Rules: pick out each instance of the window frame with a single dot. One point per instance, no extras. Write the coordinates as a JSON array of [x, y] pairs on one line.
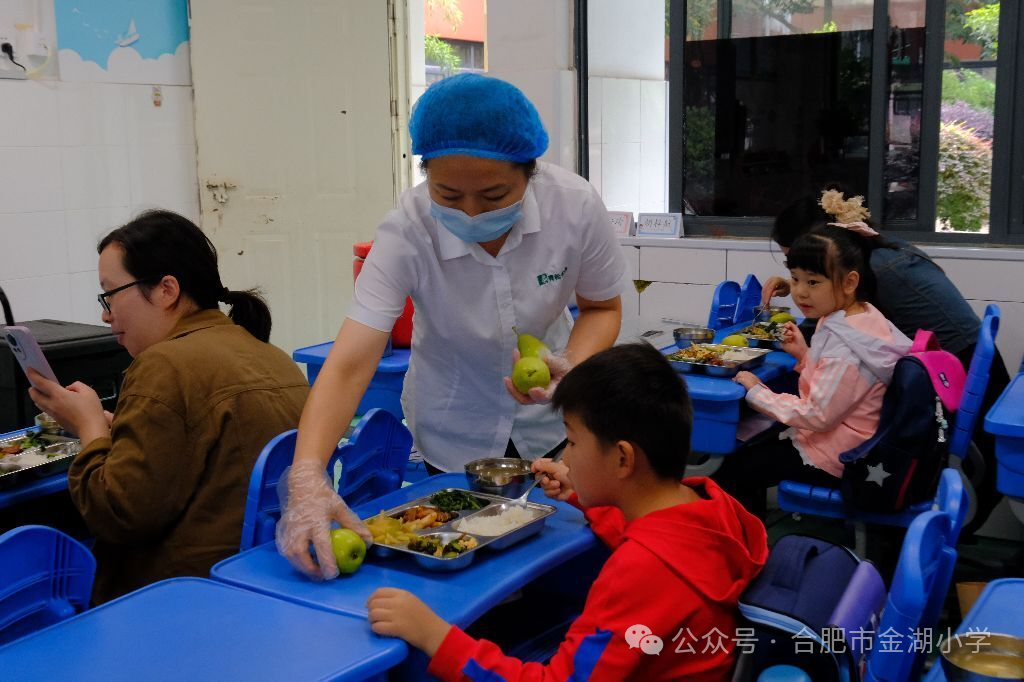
[[1006, 207]]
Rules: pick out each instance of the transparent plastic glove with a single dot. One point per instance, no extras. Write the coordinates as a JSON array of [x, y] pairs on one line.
[[559, 367], [309, 505]]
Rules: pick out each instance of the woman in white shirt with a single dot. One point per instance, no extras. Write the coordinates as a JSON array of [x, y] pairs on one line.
[[494, 242]]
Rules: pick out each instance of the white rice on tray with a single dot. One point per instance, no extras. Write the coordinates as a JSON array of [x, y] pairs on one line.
[[496, 524]]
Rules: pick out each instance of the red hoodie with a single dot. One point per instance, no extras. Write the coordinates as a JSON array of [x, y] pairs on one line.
[[677, 571]]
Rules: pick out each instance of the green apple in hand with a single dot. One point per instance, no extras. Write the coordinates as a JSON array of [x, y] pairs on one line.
[[530, 372], [349, 549]]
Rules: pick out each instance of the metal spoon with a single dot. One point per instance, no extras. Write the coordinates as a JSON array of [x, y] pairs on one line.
[[555, 456]]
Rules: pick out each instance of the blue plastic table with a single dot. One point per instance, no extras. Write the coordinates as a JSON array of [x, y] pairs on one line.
[[459, 597], [1006, 422], [997, 610], [35, 488], [385, 389], [718, 401], [197, 629]]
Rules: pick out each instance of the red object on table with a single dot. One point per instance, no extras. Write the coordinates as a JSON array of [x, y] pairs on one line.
[[401, 335]]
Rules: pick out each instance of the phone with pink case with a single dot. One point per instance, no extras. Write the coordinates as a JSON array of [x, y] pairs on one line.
[[27, 351]]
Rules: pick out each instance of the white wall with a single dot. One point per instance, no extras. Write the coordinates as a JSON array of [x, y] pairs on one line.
[[529, 43], [627, 104], [77, 159]]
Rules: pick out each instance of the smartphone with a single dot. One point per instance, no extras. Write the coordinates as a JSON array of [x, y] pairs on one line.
[[27, 351]]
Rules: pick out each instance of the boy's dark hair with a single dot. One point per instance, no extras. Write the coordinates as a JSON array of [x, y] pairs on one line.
[[632, 393], [159, 243], [833, 252]]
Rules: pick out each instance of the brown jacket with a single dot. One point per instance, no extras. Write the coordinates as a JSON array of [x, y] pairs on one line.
[[165, 494]]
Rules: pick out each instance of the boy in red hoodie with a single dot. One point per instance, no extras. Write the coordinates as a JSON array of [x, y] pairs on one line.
[[683, 551]]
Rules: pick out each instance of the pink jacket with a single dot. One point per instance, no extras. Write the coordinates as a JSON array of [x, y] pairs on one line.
[[842, 380]]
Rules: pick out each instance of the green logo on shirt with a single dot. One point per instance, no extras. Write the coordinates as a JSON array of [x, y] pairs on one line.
[[544, 278]]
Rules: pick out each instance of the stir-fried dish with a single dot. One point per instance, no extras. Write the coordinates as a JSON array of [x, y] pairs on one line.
[[698, 354], [455, 500], [434, 546]]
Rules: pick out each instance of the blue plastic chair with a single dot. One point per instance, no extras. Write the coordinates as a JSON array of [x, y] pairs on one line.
[[828, 502], [913, 604], [750, 298], [47, 577], [724, 305], [373, 464], [919, 588]]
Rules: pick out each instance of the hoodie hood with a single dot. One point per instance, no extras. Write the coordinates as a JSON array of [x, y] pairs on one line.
[[705, 540], [876, 354]]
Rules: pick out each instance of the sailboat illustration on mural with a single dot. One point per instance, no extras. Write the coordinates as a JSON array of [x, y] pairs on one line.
[[126, 39]]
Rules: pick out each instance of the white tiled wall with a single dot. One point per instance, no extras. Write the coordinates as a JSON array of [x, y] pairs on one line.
[[76, 160], [628, 142]]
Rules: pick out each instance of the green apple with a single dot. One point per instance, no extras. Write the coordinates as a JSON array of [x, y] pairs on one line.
[[735, 340], [531, 347], [530, 372], [782, 318], [349, 549]]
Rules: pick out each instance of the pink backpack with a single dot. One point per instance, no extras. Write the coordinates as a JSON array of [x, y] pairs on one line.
[[946, 372]]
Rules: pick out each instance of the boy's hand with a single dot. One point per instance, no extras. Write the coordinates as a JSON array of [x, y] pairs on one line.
[[556, 484], [397, 613], [793, 341], [747, 380]]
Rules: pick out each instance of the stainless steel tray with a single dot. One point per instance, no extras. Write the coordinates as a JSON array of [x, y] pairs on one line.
[[757, 342], [16, 469], [734, 360], [449, 531]]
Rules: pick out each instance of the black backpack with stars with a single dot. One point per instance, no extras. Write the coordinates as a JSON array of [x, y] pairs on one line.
[[900, 465]]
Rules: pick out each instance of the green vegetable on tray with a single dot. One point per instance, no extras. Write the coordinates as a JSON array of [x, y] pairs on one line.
[[455, 500], [32, 440]]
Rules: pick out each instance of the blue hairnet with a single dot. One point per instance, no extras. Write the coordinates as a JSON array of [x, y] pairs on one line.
[[477, 116]]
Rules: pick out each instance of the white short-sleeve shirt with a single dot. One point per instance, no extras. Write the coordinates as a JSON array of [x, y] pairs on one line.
[[470, 304]]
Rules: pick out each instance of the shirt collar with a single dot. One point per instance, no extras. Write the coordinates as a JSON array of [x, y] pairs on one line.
[[211, 317], [451, 246]]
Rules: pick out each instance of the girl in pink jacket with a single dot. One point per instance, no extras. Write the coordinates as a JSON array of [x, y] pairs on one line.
[[843, 375]]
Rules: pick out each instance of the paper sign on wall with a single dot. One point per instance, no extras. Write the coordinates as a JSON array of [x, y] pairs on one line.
[[659, 225], [622, 223]]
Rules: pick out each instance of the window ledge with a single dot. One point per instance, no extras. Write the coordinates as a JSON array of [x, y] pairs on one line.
[[1005, 253]]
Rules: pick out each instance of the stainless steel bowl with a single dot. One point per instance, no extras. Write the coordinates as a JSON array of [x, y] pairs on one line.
[[505, 476], [689, 334], [983, 657], [765, 314]]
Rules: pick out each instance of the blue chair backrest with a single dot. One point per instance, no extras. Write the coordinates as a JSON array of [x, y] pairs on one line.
[[977, 383], [47, 577], [918, 589], [951, 498], [749, 299], [374, 458], [724, 304], [373, 464]]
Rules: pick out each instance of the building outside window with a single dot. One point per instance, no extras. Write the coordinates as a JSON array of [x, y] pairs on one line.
[[455, 37], [907, 102]]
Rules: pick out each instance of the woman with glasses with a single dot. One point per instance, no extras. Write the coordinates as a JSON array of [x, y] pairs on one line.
[[162, 482]]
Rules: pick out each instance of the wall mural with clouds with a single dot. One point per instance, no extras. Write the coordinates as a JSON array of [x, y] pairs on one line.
[[123, 41]]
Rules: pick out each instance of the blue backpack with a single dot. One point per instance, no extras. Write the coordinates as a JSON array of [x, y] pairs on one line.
[[809, 593], [900, 464]]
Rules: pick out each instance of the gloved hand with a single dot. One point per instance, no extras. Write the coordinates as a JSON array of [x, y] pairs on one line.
[[309, 504], [559, 367]]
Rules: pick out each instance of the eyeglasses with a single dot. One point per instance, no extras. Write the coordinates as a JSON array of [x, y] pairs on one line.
[[102, 298]]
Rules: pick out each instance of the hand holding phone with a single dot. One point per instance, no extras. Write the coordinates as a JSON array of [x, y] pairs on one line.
[[27, 351]]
